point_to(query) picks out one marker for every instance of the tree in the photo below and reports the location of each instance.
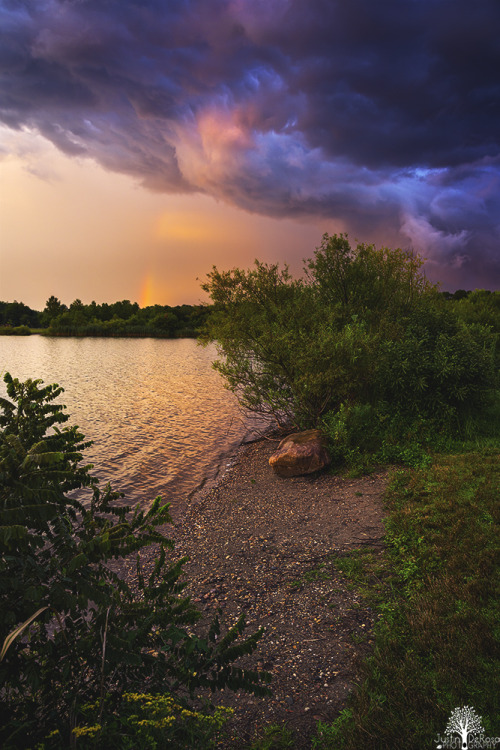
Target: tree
(18, 314)
(377, 284)
(483, 307)
(297, 348)
(260, 324)
(74, 631)
(464, 721)
(165, 322)
(53, 308)
(124, 309)
(362, 333)
(78, 314)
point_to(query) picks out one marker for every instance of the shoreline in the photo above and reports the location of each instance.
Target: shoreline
(227, 464)
(101, 335)
(267, 547)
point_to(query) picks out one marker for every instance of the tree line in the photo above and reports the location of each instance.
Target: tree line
(123, 318)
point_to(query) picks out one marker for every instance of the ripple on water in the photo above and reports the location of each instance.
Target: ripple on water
(161, 421)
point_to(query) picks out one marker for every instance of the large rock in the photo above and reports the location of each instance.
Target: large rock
(300, 453)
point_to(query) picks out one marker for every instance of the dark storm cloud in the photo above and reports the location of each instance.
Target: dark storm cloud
(384, 115)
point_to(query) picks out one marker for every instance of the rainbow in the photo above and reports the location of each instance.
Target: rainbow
(146, 293)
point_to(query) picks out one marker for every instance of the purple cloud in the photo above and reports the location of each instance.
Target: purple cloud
(384, 116)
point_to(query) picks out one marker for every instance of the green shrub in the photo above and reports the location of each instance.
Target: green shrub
(437, 367)
(15, 331)
(274, 737)
(144, 721)
(362, 345)
(74, 631)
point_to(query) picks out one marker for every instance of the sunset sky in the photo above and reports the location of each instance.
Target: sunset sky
(143, 141)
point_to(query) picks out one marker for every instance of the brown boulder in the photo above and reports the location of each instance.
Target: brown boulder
(300, 453)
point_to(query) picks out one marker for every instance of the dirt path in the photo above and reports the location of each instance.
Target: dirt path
(267, 546)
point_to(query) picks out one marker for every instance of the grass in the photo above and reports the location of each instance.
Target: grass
(319, 573)
(437, 593)
(274, 737)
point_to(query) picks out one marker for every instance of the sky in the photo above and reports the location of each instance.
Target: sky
(144, 141)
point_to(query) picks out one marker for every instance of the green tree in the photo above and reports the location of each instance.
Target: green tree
(480, 306)
(53, 309)
(74, 631)
(18, 314)
(124, 309)
(377, 284)
(261, 325)
(165, 323)
(297, 348)
(362, 332)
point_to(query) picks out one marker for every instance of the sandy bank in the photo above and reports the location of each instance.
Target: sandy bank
(267, 546)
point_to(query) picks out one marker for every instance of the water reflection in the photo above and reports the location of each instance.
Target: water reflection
(159, 416)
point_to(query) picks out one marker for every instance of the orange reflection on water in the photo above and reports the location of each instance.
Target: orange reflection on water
(160, 418)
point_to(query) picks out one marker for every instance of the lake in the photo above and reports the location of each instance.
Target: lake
(160, 418)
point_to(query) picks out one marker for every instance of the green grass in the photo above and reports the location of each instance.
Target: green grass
(318, 573)
(437, 593)
(274, 737)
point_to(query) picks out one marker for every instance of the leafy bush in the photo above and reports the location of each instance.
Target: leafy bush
(298, 348)
(15, 331)
(75, 631)
(145, 722)
(363, 345)
(437, 366)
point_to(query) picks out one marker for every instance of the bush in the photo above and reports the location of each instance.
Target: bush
(75, 631)
(362, 345)
(437, 366)
(146, 722)
(15, 331)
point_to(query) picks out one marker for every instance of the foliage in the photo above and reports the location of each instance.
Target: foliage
(53, 309)
(438, 365)
(252, 327)
(483, 307)
(437, 600)
(16, 314)
(330, 736)
(122, 318)
(274, 737)
(480, 306)
(9, 330)
(377, 285)
(94, 634)
(128, 319)
(145, 722)
(363, 345)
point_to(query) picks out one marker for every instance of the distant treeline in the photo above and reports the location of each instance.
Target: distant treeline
(126, 318)
(123, 318)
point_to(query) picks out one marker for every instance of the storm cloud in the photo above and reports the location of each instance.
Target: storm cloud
(385, 116)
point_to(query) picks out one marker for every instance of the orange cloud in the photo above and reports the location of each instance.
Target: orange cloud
(197, 226)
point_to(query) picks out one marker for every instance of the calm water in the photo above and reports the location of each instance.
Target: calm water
(162, 422)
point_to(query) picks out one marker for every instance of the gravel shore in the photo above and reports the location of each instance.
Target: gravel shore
(267, 546)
